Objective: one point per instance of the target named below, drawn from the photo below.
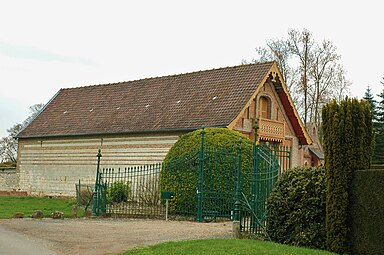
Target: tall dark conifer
(379, 127)
(347, 136)
(371, 99)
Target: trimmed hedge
(296, 208)
(214, 137)
(180, 171)
(367, 212)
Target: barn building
(137, 122)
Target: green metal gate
(253, 198)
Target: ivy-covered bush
(181, 169)
(296, 208)
(118, 192)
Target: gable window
(265, 107)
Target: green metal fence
(203, 184)
(84, 195)
(209, 184)
(129, 192)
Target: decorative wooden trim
(274, 76)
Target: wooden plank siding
(52, 166)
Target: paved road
(98, 236)
(12, 243)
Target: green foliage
(348, 146)
(9, 205)
(181, 168)
(190, 143)
(379, 131)
(118, 192)
(224, 247)
(368, 96)
(367, 209)
(296, 208)
(8, 164)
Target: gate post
(199, 216)
(95, 208)
(238, 188)
(254, 164)
(236, 226)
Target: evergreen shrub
(296, 208)
(118, 192)
(367, 217)
(348, 146)
(181, 168)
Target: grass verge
(223, 247)
(9, 205)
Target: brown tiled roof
(178, 102)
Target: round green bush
(118, 192)
(190, 143)
(181, 169)
(296, 208)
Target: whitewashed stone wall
(9, 179)
(54, 166)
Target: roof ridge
(169, 75)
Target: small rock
(74, 211)
(18, 215)
(38, 214)
(57, 215)
(87, 214)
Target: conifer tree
(379, 128)
(348, 139)
(370, 98)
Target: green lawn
(10, 205)
(224, 246)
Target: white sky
(48, 45)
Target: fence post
(95, 210)
(238, 187)
(200, 180)
(254, 164)
(236, 226)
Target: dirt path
(98, 236)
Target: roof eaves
(122, 132)
(303, 135)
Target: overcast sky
(48, 45)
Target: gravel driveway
(98, 236)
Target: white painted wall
(54, 166)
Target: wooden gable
(273, 108)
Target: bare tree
(8, 144)
(323, 74)
(300, 45)
(311, 71)
(278, 50)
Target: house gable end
(282, 97)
